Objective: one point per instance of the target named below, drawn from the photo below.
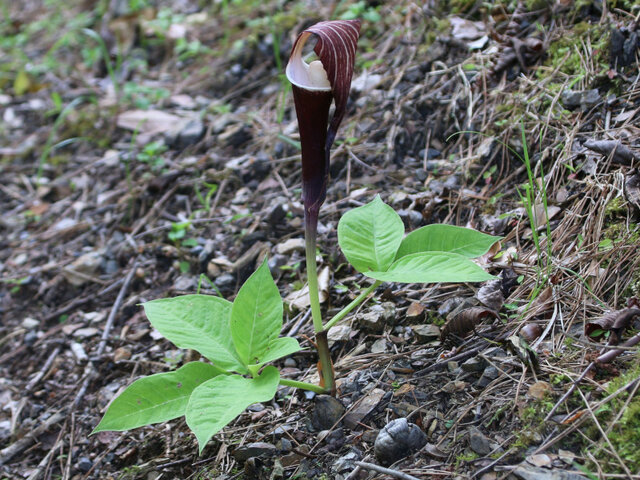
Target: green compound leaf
(447, 238)
(369, 236)
(199, 322)
(156, 398)
(256, 316)
(217, 402)
(280, 347)
(432, 267)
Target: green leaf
(256, 316)
(280, 347)
(156, 398)
(447, 238)
(217, 402)
(199, 322)
(432, 267)
(369, 236)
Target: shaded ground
(103, 210)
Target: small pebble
(30, 323)
(256, 449)
(84, 464)
(478, 442)
(78, 351)
(327, 411)
(30, 337)
(226, 280)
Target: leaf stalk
(312, 387)
(354, 303)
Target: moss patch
(567, 51)
(625, 433)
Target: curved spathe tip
(310, 76)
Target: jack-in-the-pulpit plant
(239, 338)
(315, 85)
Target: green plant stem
(354, 303)
(303, 385)
(322, 344)
(312, 276)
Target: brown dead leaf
(38, 208)
(490, 294)
(465, 321)
(404, 389)
(414, 310)
(632, 190)
(615, 322)
(619, 153)
(539, 390)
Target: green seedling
(205, 199)
(151, 154)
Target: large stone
(398, 439)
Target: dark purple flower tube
(315, 85)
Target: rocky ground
(150, 149)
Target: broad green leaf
(199, 322)
(447, 238)
(280, 347)
(217, 402)
(369, 236)
(256, 316)
(156, 398)
(432, 267)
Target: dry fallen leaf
(150, 122)
(300, 298)
(539, 390)
(464, 29)
(465, 321)
(615, 322)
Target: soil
(150, 149)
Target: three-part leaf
(256, 320)
(447, 238)
(156, 398)
(369, 236)
(217, 402)
(432, 267)
(199, 322)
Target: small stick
(611, 354)
(443, 364)
(39, 470)
(174, 463)
(116, 307)
(569, 391)
(156, 206)
(12, 450)
(72, 441)
(90, 368)
(354, 473)
(386, 471)
(43, 371)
